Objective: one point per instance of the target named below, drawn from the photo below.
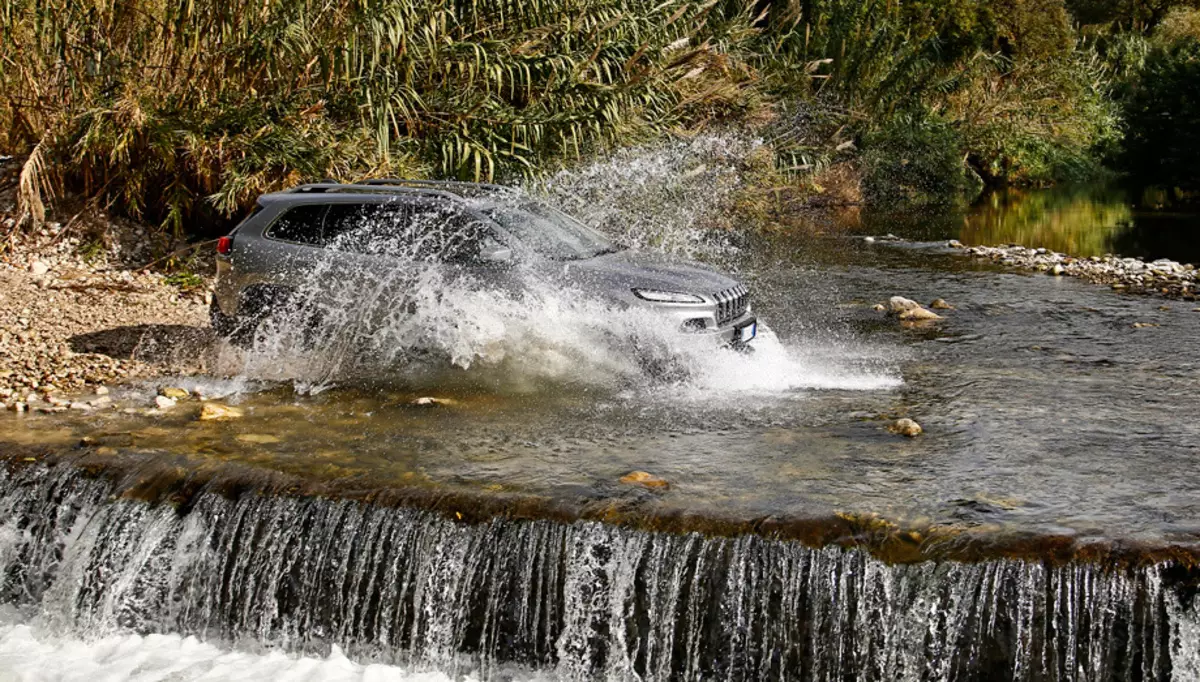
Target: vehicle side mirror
(495, 253)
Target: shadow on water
(1080, 221)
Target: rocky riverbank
(1163, 277)
(79, 309)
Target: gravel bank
(69, 324)
(1163, 277)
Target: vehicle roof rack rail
(433, 183)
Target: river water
(1043, 527)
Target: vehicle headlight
(655, 296)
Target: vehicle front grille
(731, 304)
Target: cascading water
(583, 600)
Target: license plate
(748, 332)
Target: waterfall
(584, 600)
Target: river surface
(1046, 412)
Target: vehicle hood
(630, 269)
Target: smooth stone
(218, 412)
(162, 402)
(174, 393)
(879, 308)
(37, 268)
(1057, 270)
(940, 304)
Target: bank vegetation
(181, 113)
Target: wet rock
(899, 304)
(645, 480)
(101, 390)
(906, 427)
(1058, 270)
(174, 393)
(879, 308)
(940, 304)
(427, 401)
(162, 402)
(1144, 325)
(218, 412)
(919, 314)
(81, 406)
(955, 244)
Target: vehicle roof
(384, 189)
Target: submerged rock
(645, 479)
(940, 304)
(906, 427)
(162, 402)
(218, 412)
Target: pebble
(38, 269)
(427, 401)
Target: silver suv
(494, 234)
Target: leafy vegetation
(182, 113)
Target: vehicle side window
(445, 232)
(369, 228)
(300, 224)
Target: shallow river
(1046, 412)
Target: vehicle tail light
(224, 245)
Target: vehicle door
(282, 258)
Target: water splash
(519, 328)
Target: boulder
(906, 427)
(217, 412)
(644, 479)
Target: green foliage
(1162, 116)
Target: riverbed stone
(906, 427)
(258, 438)
(210, 411)
(940, 304)
(645, 480)
(162, 402)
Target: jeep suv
(489, 232)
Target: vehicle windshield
(550, 232)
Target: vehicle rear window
(301, 224)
